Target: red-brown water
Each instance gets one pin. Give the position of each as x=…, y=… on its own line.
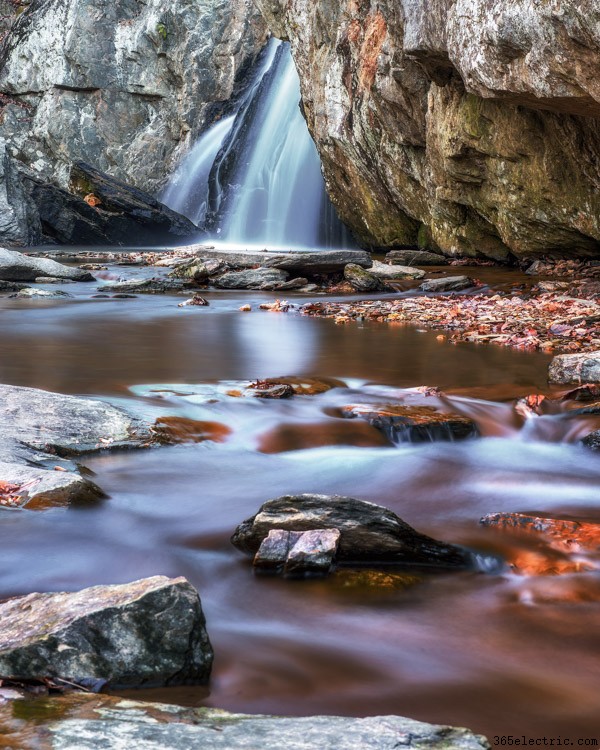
x=471, y=649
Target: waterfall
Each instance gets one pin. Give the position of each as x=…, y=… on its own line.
x=255, y=177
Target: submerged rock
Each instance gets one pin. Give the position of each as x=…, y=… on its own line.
x=446, y=284
x=15, y=266
x=30, y=292
x=103, y=722
x=149, y=632
x=258, y=278
x=362, y=280
x=575, y=368
x=369, y=533
x=415, y=258
x=414, y=424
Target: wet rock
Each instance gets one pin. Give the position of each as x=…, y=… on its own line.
x=259, y=278
x=11, y=286
x=446, y=284
x=195, y=301
x=291, y=285
x=155, y=285
x=395, y=272
x=15, y=266
x=369, y=533
x=559, y=543
x=414, y=424
x=172, y=430
x=198, y=270
x=575, y=368
x=297, y=553
x=265, y=389
x=592, y=440
x=39, y=488
x=149, y=632
x=415, y=258
x=30, y=292
x=104, y=722
x=309, y=386
x=566, y=535
x=52, y=280
x=37, y=426
x=295, y=261
x=361, y=279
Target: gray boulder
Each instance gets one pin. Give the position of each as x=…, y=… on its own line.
x=259, y=278
x=32, y=293
x=38, y=428
x=149, y=632
x=155, y=285
x=415, y=258
x=102, y=722
x=362, y=280
x=15, y=266
x=446, y=284
x=385, y=271
x=575, y=368
x=369, y=533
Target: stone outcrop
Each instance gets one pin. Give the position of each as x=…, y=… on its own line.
x=123, y=86
x=15, y=266
x=38, y=429
x=466, y=126
x=104, y=722
x=150, y=632
x=369, y=533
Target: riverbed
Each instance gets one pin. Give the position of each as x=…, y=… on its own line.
x=497, y=652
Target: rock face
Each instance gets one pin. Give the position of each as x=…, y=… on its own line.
x=15, y=266
x=575, y=368
x=369, y=533
x=124, y=86
x=466, y=126
x=103, y=722
x=150, y=632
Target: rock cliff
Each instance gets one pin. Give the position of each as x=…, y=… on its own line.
x=461, y=125
x=124, y=86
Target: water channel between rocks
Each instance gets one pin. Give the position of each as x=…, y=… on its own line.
x=466, y=649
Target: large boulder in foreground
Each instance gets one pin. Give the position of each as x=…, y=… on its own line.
x=369, y=533
x=575, y=368
x=15, y=266
x=103, y=722
x=149, y=632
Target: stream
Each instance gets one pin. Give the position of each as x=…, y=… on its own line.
x=497, y=652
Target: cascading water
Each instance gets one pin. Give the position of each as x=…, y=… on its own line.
x=255, y=176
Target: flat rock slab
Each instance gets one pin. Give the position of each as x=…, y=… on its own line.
x=149, y=632
x=395, y=272
x=415, y=258
x=38, y=426
x=258, y=278
x=369, y=533
x=102, y=722
x=294, y=261
x=575, y=368
x=447, y=284
x=15, y=266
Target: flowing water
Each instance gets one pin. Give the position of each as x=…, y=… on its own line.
x=255, y=177
x=500, y=653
